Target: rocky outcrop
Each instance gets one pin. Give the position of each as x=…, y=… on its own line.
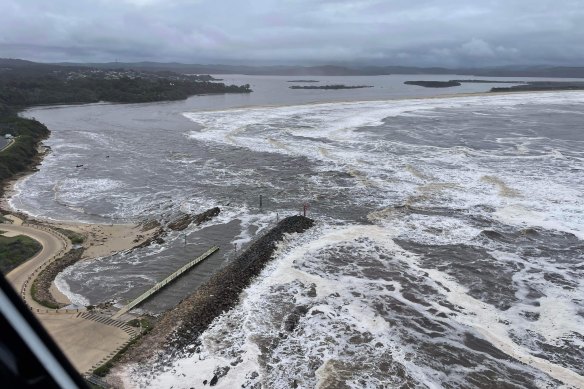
x=206, y=216
x=182, y=325
x=149, y=225
x=156, y=237
x=181, y=222
x=186, y=220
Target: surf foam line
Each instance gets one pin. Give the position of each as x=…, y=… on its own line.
x=482, y=317
x=485, y=320
x=338, y=120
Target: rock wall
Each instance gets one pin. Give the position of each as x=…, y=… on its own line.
x=183, y=324
x=41, y=288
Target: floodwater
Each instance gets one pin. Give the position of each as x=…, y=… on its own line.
x=448, y=249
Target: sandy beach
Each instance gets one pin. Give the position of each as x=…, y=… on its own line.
x=75, y=334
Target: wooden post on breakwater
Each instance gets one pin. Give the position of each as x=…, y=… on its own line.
x=165, y=282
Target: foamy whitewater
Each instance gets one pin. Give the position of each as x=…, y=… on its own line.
x=448, y=250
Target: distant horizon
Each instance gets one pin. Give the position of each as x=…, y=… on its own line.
x=243, y=63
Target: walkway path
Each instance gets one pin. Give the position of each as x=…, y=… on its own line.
x=86, y=339
x=54, y=245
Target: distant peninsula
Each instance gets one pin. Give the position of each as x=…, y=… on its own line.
x=542, y=86
x=25, y=83
x=303, y=81
x=336, y=86
x=520, y=86
x=452, y=83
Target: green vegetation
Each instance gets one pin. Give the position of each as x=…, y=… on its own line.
x=16, y=250
x=22, y=153
x=145, y=323
x=34, y=291
x=49, y=89
x=537, y=86
x=25, y=83
x=336, y=86
x=74, y=237
x=40, y=289
x=434, y=84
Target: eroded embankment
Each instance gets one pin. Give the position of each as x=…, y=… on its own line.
x=183, y=325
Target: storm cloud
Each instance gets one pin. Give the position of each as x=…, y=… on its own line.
x=390, y=32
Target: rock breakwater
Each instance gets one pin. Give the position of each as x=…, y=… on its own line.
x=184, y=221
x=184, y=324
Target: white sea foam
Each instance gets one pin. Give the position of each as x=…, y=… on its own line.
x=78, y=190
x=64, y=288
x=296, y=264
x=433, y=184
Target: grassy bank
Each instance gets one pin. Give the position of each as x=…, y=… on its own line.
x=16, y=250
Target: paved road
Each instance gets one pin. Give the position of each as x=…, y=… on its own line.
x=85, y=342
x=52, y=245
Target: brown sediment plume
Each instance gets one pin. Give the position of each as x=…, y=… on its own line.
x=504, y=189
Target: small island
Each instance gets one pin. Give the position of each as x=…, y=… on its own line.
x=303, y=81
x=488, y=82
x=334, y=87
x=434, y=84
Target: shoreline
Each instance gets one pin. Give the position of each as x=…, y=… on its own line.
x=100, y=240
x=100, y=237
x=183, y=324
x=107, y=239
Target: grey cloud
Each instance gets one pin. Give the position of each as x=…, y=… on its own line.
x=424, y=32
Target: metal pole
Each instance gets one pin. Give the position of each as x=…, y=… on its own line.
x=260, y=201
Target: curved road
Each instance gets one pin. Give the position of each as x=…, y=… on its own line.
x=87, y=343
x=52, y=246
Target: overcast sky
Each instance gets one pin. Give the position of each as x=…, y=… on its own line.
x=389, y=32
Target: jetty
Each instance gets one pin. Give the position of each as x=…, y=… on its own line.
x=144, y=296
